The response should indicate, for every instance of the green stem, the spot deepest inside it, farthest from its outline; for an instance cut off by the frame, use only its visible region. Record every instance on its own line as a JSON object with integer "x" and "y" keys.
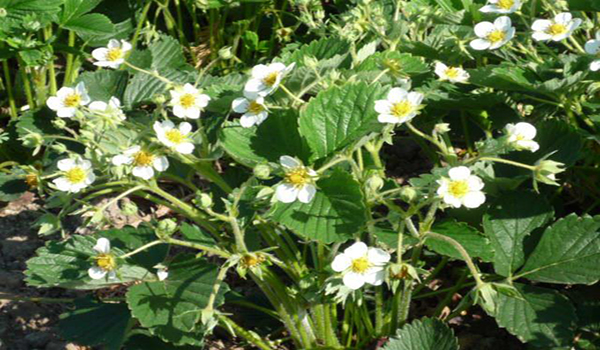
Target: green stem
{"x": 138, "y": 28}
{"x": 212, "y": 250}
{"x": 142, "y": 248}
{"x": 378, "y": 310}
{"x": 462, "y": 252}
{"x": 510, "y": 162}
{"x": 51, "y": 70}
{"x": 9, "y": 89}
{"x": 26, "y": 83}
{"x": 228, "y": 324}
{"x": 70, "y": 58}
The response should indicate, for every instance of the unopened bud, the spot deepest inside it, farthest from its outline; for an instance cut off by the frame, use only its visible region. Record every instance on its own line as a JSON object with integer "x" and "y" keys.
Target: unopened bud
{"x": 204, "y": 200}
{"x": 129, "y": 208}
{"x": 166, "y": 228}
{"x": 262, "y": 171}
{"x": 374, "y": 183}
{"x": 546, "y": 170}
{"x": 310, "y": 62}
{"x": 159, "y": 99}
{"x": 408, "y": 194}
{"x": 59, "y": 148}
{"x": 441, "y": 128}
{"x": 32, "y": 140}
{"x": 225, "y": 53}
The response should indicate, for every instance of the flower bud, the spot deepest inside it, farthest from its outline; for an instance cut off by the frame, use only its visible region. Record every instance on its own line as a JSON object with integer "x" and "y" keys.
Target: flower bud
{"x": 32, "y": 140}
{"x": 129, "y": 208}
{"x": 262, "y": 171}
{"x": 546, "y": 170}
{"x": 374, "y": 183}
{"x": 59, "y": 148}
{"x": 408, "y": 194}
{"x": 166, "y": 228}
{"x": 486, "y": 297}
{"x": 441, "y": 128}
{"x": 204, "y": 200}
{"x": 3, "y": 12}
{"x": 159, "y": 99}
{"x": 59, "y": 123}
{"x": 225, "y": 53}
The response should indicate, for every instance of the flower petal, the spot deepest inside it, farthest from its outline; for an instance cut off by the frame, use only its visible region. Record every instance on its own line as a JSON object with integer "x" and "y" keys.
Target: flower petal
{"x": 459, "y": 173}
{"x": 289, "y": 162}
{"x": 473, "y": 199}
{"x": 357, "y": 250}
{"x": 286, "y": 193}
{"x": 96, "y": 272}
{"x": 378, "y": 256}
{"x": 307, "y": 193}
{"x": 102, "y": 245}
{"x": 341, "y": 263}
{"x": 354, "y": 280}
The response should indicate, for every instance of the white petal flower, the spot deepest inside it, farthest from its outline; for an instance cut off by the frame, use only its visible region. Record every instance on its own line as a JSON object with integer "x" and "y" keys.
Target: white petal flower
{"x": 144, "y": 162}
{"x": 111, "y": 109}
{"x": 557, "y": 29}
{"x": 175, "y": 138}
{"x": 360, "y": 264}
{"x": 113, "y": 55}
{"x": 188, "y": 102}
{"x": 253, "y": 109}
{"x": 162, "y": 274}
{"x": 298, "y": 183}
{"x": 461, "y": 188}
{"x": 76, "y": 174}
{"x": 452, "y": 74}
{"x": 266, "y": 78}
{"x": 592, "y": 47}
{"x": 501, "y": 6}
{"x": 521, "y": 135}
{"x": 493, "y": 35}
{"x": 106, "y": 262}
{"x": 400, "y": 106}
{"x": 68, "y": 100}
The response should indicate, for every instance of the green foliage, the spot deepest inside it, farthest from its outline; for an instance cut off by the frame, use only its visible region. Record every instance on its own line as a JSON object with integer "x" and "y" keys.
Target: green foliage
{"x": 476, "y": 244}
{"x": 425, "y": 334}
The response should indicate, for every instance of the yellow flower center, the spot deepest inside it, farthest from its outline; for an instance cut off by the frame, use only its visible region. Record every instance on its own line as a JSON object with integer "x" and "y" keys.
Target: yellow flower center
{"x": 452, "y": 72}
{"x": 114, "y": 54}
{"x": 106, "y": 262}
{"x": 175, "y": 136}
{"x": 255, "y": 107}
{"x": 73, "y": 100}
{"x": 75, "y": 175}
{"x": 402, "y": 108}
{"x": 360, "y": 265}
{"x": 31, "y": 180}
{"x": 187, "y": 100}
{"x": 557, "y": 29}
{"x": 143, "y": 159}
{"x": 458, "y": 189}
{"x": 496, "y": 36}
{"x": 271, "y": 78}
{"x": 520, "y": 137}
{"x": 506, "y": 4}
{"x": 252, "y": 260}
{"x": 297, "y": 177}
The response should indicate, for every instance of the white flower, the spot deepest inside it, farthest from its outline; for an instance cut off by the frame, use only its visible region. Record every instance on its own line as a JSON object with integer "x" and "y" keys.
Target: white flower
{"x": 113, "y": 55}
{"x": 452, "y": 74}
{"x": 162, "y": 273}
{"x": 592, "y": 47}
{"x": 266, "y": 78}
{"x": 253, "y": 108}
{"x": 176, "y": 138}
{"x": 188, "y": 102}
{"x": 77, "y": 174}
{"x": 400, "y": 106}
{"x": 493, "y": 35}
{"x": 521, "y": 135}
{"x": 112, "y": 108}
{"x": 68, "y": 100}
{"x": 461, "y": 188}
{"x": 360, "y": 264}
{"x": 298, "y": 182}
{"x": 105, "y": 261}
{"x": 501, "y": 6}
{"x": 144, "y": 163}
{"x": 557, "y": 29}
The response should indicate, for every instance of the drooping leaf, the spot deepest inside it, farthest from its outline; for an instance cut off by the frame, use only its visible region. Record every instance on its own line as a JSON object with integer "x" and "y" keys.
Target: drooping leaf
{"x": 508, "y": 221}
{"x": 339, "y": 116}
{"x": 541, "y": 316}
{"x": 335, "y": 214}
{"x": 104, "y": 84}
{"x": 568, "y": 252}
{"x": 65, "y": 264}
{"x": 172, "y": 308}
{"x": 93, "y": 323}
{"x": 475, "y": 243}
{"x": 275, "y": 137}
{"x": 424, "y": 334}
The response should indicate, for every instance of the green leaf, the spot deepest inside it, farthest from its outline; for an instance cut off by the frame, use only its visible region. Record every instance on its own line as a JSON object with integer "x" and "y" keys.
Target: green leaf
{"x": 172, "y": 308}
{"x": 17, "y": 10}
{"x": 65, "y": 264}
{"x": 568, "y": 252}
{"x": 504, "y": 77}
{"x": 584, "y": 5}
{"x": 275, "y": 137}
{"x": 93, "y": 323}
{"x": 340, "y": 116}
{"x": 76, "y": 8}
{"x": 322, "y": 49}
{"x": 508, "y": 221}
{"x": 104, "y": 84}
{"x": 335, "y": 214}
{"x": 194, "y": 234}
{"x": 477, "y": 245}
{"x": 424, "y": 334}
{"x": 91, "y": 24}
{"x": 143, "y": 87}
{"x": 166, "y": 53}
{"x": 407, "y": 63}
{"x": 541, "y": 316}
{"x": 12, "y": 187}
